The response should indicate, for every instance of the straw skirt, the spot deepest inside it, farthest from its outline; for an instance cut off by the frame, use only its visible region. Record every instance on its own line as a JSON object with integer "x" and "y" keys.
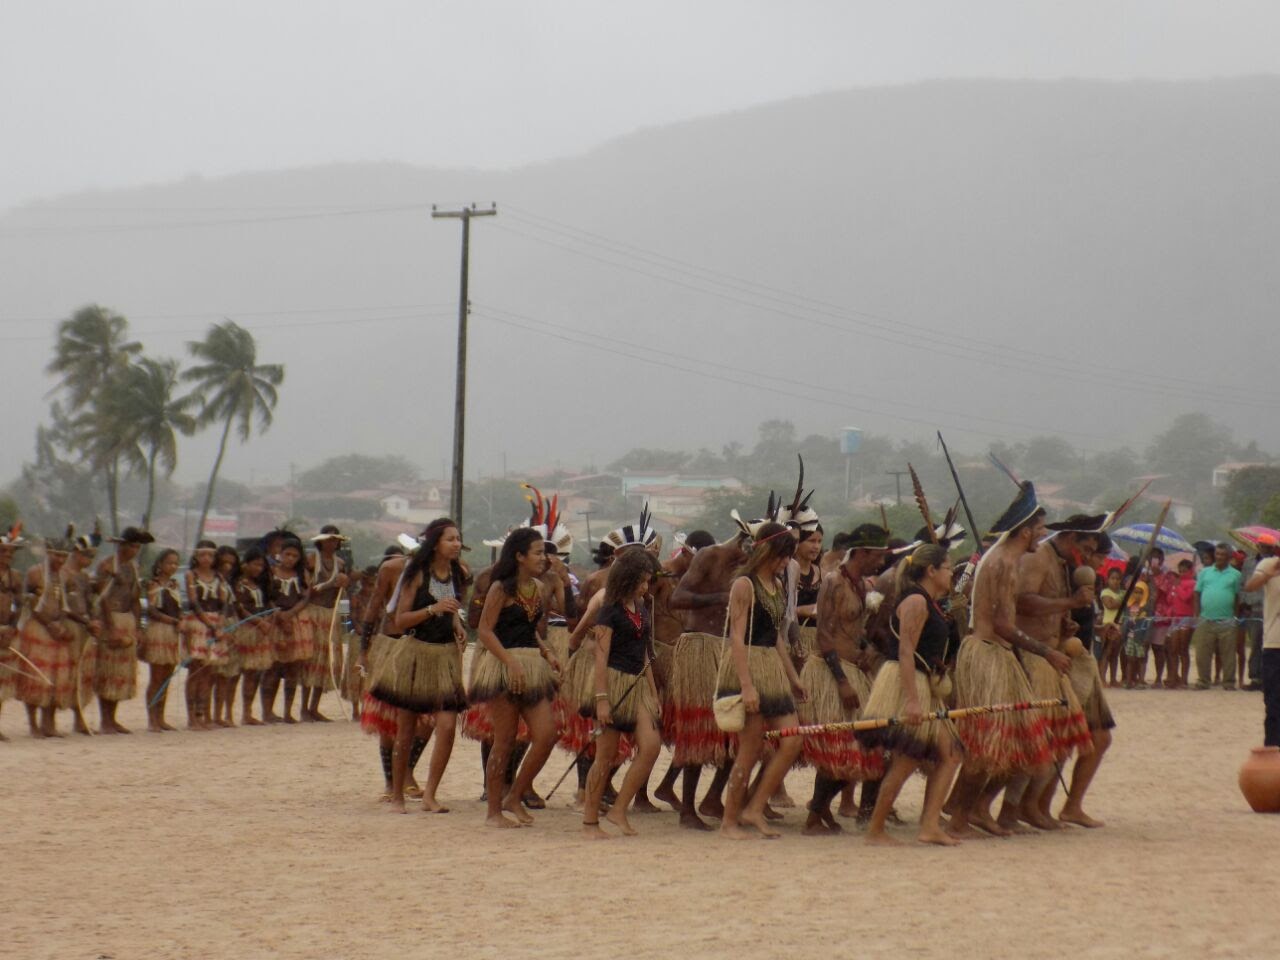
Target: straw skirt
{"x": 836, "y": 753}
{"x": 419, "y": 676}
{"x": 1087, "y": 683}
{"x": 920, "y": 743}
{"x": 159, "y": 644}
{"x": 997, "y": 744}
{"x": 115, "y": 675}
{"x": 809, "y": 642}
{"x": 55, "y": 661}
{"x": 84, "y": 654}
{"x": 196, "y": 637}
{"x": 768, "y": 676}
{"x": 490, "y": 680}
{"x": 1067, "y": 727}
{"x": 690, "y": 724}
{"x": 316, "y": 672}
{"x": 10, "y": 666}
{"x": 294, "y": 639}
{"x": 628, "y": 694}
{"x": 253, "y": 642}
{"x": 376, "y": 717}
{"x": 573, "y": 730}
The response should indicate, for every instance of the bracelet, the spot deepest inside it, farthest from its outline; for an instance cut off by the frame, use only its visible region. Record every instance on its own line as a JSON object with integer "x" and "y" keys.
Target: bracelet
{"x": 832, "y": 660}
{"x": 602, "y": 696}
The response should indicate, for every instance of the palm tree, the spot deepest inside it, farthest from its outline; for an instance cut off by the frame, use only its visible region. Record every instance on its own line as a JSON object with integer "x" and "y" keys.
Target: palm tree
{"x": 90, "y": 353}
{"x": 140, "y": 416}
{"x": 233, "y": 387}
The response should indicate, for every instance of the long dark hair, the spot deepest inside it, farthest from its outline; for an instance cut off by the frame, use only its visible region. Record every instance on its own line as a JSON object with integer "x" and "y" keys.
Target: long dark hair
{"x": 264, "y": 578}
{"x": 300, "y": 568}
{"x": 204, "y": 545}
{"x": 773, "y": 541}
{"x": 628, "y": 570}
{"x": 159, "y": 561}
{"x": 505, "y": 570}
{"x": 420, "y": 562}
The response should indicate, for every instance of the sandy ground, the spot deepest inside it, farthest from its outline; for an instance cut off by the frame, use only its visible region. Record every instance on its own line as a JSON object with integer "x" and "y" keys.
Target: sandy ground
{"x": 269, "y": 842}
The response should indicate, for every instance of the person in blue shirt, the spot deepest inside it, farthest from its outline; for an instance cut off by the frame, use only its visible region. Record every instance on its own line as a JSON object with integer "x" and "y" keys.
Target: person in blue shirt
{"x": 1217, "y": 597}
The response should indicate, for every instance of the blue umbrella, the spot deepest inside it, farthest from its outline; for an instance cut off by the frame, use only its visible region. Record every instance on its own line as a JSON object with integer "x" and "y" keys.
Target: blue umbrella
{"x": 1139, "y": 535}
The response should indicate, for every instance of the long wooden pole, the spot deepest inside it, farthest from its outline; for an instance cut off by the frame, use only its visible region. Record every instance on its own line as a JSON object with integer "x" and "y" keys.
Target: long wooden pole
{"x": 942, "y": 714}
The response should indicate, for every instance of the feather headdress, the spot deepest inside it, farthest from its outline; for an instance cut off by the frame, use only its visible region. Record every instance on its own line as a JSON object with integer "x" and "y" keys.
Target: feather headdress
{"x": 799, "y": 514}
{"x": 632, "y": 535}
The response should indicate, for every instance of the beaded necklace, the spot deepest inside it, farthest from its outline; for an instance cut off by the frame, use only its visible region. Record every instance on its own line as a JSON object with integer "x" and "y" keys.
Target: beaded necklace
{"x": 774, "y": 604}
{"x": 531, "y": 603}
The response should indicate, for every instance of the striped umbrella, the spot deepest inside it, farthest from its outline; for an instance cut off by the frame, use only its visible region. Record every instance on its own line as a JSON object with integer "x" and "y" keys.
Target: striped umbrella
{"x": 1247, "y": 537}
{"x": 1139, "y": 535}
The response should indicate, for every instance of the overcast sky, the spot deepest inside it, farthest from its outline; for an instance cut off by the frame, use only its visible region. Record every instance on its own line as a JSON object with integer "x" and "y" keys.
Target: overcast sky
{"x": 106, "y": 94}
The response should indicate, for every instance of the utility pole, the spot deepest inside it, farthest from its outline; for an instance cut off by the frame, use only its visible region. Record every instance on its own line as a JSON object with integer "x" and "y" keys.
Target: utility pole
{"x": 587, "y": 515}
{"x": 460, "y": 388}
{"x": 897, "y": 482}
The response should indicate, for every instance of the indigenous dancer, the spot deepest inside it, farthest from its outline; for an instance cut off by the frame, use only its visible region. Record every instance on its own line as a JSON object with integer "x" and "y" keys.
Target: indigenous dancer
{"x": 1086, "y": 681}
{"x": 11, "y": 600}
{"x": 623, "y": 696}
{"x": 834, "y": 677}
{"x": 207, "y": 600}
{"x": 294, "y": 638}
{"x": 913, "y": 678}
{"x": 226, "y": 675}
{"x": 758, "y": 666}
{"x": 1046, "y": 598}
{"x": 82, "y": 622}
{"x": 999, "y": 748}
{"x": 703, "y": 596}
{"x": 119, "y": 587}
{"x": 328, "y": 578}
{"x": 253, "y": 636}
{"x": 421, "y": 671}
{"x": 376, "y": 634}
{"x": 515, "y": 674}
{"x": 668, "y": 625}
{"x": 805, "y": 574}
{"x": 46, "y": 641}
{"x": 159, "y": 646}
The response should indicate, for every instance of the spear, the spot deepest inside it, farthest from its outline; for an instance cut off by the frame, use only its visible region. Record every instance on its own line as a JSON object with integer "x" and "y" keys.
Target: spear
{"x": 1143, "y": 557}
{"x": 973, "y": 524}
{"x": 942, "y": 713}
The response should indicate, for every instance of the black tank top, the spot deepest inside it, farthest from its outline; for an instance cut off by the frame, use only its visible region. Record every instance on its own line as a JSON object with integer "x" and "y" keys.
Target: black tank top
{"x": 515, "y": 630}
{"x": 764, "y": 633}
{"x": 439, "y": 628}
{"x": 934, "y": 635}
{"x": 807, "y": 593}
{"x": 626, "y": 645}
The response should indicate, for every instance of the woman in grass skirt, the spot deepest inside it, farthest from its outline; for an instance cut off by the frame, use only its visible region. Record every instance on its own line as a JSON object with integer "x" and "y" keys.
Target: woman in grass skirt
{"x": 515, "y": 673}
{"x": 420, "y": 671}
{"x": 294, "y": 636}
{"x": 161, "y": 646}
{"x": 622, "y": 697}
{"x": 46, "y": 642}
{"x": 11, "y": 666}
{"x": 253, "y": 636}
{"x": 911, "y": 683}
{"x": 208, "y": 597}
{"x": 758, "y": 666}
{"x": 328, "y": 579}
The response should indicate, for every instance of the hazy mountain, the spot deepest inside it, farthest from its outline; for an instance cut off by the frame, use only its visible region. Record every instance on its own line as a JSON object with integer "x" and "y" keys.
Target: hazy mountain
{"x": 995, "y": 258}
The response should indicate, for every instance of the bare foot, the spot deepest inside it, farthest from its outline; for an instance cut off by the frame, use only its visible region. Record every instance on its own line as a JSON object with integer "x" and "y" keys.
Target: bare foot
{"x": 989, "y": 825}
{"x": 781, "y": 799}
{"x": 1038, "y": 820}
{"x": 289, "y": 718}
{"x": 830, "y": 822}
{"x": 642, "y": 804}
{"x": 668, "y": 796}
{"x": 937, "y": 837}
{"x": 771, "y": 814}
{"x": 1079, "y": 818}
{"x": 306, "y": 717}
{"x": 498, "y": 820}
{"x": 223, "y": 723}
{"x": 881, "y": 839}
{"x": 592, "y": 831}
{"x": 815, "y": 827}
{"x": 691, "y": 821}
{"x": 712, "y": 807}
{"x": 735, "y": 832}
{"x": 3, "y": 738}
{"x": 396, "y": 805}
{"x": 517, "y": 810}
{"x": 432, "y": 805}
{"x": 962, "y": 830}
{"x": 619, "y": 819}
{"x": 319, "y": 717}
{"x": 761, "y": 823}
{"x": 271, "y": 718}
{"x": 413, "y": 791}
{"x": 535, "y": 802}
{"x": 39, "y": 734}
{"x": 107, "y": 730}
{"x": 847, "y": 810}
{"x": 251, "y": 722}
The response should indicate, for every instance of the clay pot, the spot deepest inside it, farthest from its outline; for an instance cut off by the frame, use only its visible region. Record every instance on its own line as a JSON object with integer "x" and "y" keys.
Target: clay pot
{"x": 1260, "y": 780}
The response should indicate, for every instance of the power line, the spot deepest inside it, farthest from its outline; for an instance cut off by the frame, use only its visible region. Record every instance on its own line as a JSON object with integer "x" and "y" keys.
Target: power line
{"x": 883, "y": 330}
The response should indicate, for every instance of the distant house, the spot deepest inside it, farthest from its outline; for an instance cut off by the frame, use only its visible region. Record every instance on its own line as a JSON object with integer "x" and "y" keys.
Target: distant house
{"x": 1223, "y": 472}
{"x": 687, "y": 481}
{"x": 429, "y": 504}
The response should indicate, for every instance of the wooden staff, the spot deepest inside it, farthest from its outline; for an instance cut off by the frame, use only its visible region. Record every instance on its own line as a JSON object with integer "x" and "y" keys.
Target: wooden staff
{"x": 1143, "y": 557}
{"x": 333, "y": 624}
{"x": 939, "y": 714}
{"x": 25, "y": 659}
